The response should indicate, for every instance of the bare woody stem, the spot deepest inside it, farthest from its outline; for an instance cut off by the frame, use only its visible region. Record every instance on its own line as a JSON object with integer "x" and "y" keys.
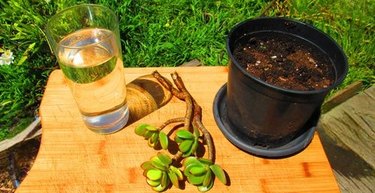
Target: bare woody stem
{"x": 170, "y": 121}
{"x": 178, "y": 156}
{"x": 206, "y": 135}
{"x": 193, "y": 110}
{"x": 188, "y": 99}
{"x": 164, "y": 82}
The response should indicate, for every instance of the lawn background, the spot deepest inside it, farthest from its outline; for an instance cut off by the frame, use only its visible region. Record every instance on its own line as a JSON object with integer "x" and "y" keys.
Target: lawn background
{"x": 166, "y": 33}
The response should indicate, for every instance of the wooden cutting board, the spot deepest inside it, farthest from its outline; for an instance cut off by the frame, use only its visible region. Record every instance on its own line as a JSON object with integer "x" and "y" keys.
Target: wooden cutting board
{"x": 74, "y": 159}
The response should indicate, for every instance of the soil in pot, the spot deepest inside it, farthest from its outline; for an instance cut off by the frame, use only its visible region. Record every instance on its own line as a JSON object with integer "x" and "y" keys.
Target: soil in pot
{"x": 284, "y": 61}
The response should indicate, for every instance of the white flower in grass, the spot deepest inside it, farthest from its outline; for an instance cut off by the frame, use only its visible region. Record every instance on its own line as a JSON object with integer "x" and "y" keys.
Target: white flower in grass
{"x": 6, "y": 58}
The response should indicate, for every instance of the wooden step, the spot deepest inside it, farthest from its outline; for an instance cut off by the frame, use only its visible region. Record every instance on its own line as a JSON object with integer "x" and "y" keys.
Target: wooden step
{"x": 348, "y": 136}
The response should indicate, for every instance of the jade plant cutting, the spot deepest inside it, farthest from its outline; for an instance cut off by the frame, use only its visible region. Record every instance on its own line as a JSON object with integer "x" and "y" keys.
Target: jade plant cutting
{"x": 167, "y": 168}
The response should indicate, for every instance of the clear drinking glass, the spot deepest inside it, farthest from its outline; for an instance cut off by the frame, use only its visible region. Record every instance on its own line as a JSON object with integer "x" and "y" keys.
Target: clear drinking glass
{"x": 86, "y": 42}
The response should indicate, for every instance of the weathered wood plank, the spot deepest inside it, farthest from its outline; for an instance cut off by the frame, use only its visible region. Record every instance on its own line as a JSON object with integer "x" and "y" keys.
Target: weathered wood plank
{"x": 353, "y": 174}
{"x": 192, "y": 63}
{"x": 347, "y": 134}
{"x": 342, "y": 95}
{"x": 353, "y": 124}
{"x": 356, "y": 184}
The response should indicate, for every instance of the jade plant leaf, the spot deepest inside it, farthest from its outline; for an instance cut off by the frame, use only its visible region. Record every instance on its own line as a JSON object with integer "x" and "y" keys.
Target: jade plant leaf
{"x": 163, "y": 140}
{"x": 206, "y": 188}
{"x": 207, "y": 179}
{"x": 184, "y": 134}
{"x": 165, "y": 159}
{"x": 192, "y": 149}
{"x": 152, "y": 183}
{"x": 165, "y": 180}
{"x": 174, "y": 179}
{"x": 159, "y": 188}
{"x": 198, "y": 170}
{"x": 141, "y": 129}
{"x": 157, "y": 163}
{"x": 219, "y": 173}
{"x": 185, "y": 145}
{"x": 154, "y": 174}
{"x": 205, "y": 161}
{"x": 190, "y": 160}
{"x": 148, "y": 134}
{"x": 153, "y": 141}
{"x": 195, "y": 180}
{"x": 147, "y": 165}
{"x": 177, "y": 172}
{"x": 151, "y": 128}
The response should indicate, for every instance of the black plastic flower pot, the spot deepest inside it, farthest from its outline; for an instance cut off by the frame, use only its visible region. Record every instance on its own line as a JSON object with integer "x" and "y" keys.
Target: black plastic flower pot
{"x": 268, "y": 120}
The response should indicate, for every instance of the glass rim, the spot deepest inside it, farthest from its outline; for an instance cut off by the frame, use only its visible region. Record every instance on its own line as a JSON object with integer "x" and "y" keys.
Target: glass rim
{"x": 54, "y": 17}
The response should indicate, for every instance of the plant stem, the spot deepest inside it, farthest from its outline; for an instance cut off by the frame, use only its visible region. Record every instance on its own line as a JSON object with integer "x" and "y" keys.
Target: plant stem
{"x": 170, "y": 121}
{"x": 188, "y": 99}
{"x": 178, "y": 156}
{"x": 193, "y": 110}
{"x": 165, "y": 82}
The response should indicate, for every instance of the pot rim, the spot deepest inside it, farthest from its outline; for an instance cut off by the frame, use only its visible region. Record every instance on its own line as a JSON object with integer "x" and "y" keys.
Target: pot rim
{"x": 337, "y": 81}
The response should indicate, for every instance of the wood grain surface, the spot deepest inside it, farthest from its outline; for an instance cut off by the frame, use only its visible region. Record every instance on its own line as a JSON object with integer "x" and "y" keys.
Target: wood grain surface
{"x": 348, "y": 133}
{"x": 353, "y": 124}
{"x": 74, "y": 159}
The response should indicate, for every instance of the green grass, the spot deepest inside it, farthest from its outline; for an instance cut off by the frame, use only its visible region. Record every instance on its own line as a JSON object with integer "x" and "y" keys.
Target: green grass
{"x": 169, "y": 32}
{"x": 166, "y": 33}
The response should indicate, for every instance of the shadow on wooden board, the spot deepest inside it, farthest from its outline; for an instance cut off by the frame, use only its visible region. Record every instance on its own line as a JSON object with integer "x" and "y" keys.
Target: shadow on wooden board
{"x": 145, "y": 95}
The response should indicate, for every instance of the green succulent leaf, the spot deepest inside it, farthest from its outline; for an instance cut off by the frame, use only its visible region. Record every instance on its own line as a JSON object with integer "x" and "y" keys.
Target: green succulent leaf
{"x": 163, "y": 139}
{"x": 141, "y": 129}
{"x": 159, "y": 188}
{"x": 192, "y": 149}
{"x": 178, "y": 140}
{"x": 207, "y": 179}
{"x": 148, "y": 134}
{"x": 154, "y": 174}
{"x": 165, "y": 159}
{"x": 174, "y": 179}
{"x": 153, "y": 140}
{"x": 188, "y": 168}
{"x": 219, "y": 173}
{"x": 184, "y": 134}
{"x": 205, "y": 161}
{"x": 190, "y": 160}
{"x": 157, "y": 163}
{"x": 147, "y": 165}
{"x": 151, "y": 128}
{"x": 177, "y": 172}
{"x": 165, "y": 180}
{"x": 185, "y": 146}
{"x": 198, "y": 170}
{"x": 145, "y": 173}
{"x": 195, "y": 180}
{"x": 153, "y": 183}
{"x": 206, "y": 188}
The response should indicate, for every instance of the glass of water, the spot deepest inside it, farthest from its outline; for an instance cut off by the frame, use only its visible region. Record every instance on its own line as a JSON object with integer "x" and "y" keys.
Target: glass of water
{"x": 86, "y": 41}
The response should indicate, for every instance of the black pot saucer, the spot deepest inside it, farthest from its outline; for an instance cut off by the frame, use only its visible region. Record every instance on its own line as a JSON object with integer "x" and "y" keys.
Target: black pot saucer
{"x": 244, "y": 143}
